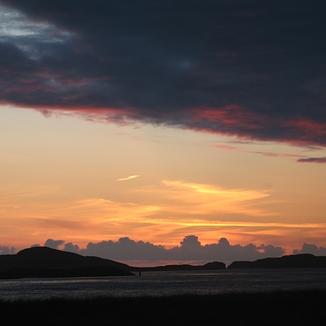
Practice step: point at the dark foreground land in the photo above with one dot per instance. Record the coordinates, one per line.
(276, 308)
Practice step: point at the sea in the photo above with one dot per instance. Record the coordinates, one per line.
(165, 283)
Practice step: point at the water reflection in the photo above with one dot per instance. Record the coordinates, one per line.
(165, 283)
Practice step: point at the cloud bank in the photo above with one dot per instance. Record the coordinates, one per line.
(190, 249)
(253, 69)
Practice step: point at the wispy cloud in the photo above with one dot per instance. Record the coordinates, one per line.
(273, 154)
(129, 178)
(269, 154)
(225, 148)
(184, 199)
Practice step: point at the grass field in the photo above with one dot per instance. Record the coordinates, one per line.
(276, 308)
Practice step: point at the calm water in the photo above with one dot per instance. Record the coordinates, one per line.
(166, 283)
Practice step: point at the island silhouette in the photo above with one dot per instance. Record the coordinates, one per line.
(45, 262)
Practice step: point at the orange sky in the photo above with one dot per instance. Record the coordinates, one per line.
(70, 179)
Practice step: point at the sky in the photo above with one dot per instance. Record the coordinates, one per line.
(156, 131)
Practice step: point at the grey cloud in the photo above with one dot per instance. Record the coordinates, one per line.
(54, 244)
(4, 250)
(311, 249)
(71, 247)
(190, 249)
(125, 249)
(258, 65)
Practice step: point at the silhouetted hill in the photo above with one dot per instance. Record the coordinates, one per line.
(292, 261)
(47, 262)
(185, 267)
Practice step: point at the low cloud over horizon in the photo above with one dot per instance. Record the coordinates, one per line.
(251, 69)
(5, 250)
(189, 250)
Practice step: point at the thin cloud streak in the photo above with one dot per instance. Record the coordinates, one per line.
(129, 178)
(264, 153)
(312, 160)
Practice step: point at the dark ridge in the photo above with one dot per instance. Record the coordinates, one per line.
(47, 262)
(184, 267)
(291, 261)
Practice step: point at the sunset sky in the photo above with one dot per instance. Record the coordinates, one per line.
(155, 131)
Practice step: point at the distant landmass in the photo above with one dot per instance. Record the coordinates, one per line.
(291, 261)
(184, 267)
(41, 262)
(44, 262)
(47, 262)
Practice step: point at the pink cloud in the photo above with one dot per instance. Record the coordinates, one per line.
(225, 148)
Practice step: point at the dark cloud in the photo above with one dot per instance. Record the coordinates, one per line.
(55, 244)
(311, 249)
(4, 250)
(312, 160)
(254, 69)
(190, 249)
